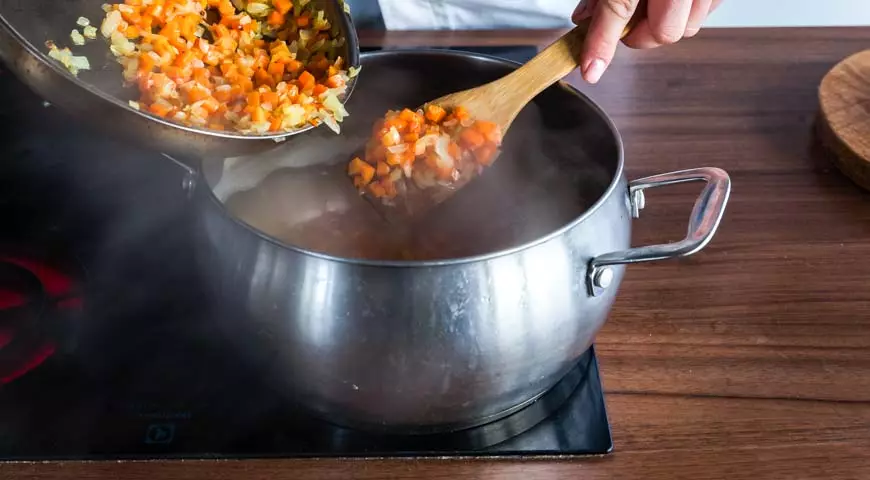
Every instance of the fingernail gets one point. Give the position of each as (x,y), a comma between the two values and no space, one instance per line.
(594,70)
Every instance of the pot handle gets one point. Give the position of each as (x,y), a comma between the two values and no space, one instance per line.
(705,219)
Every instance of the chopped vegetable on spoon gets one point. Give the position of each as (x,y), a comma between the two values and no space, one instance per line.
(433,147)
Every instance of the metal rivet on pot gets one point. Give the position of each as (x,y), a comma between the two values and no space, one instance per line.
(603,277)
(638,201)
(188,184)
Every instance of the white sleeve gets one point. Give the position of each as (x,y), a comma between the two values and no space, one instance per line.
(476,14)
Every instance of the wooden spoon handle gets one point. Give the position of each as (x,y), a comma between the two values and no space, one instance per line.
(547,67)
(557,60)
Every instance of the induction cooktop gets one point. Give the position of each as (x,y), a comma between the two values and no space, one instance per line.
(107,345)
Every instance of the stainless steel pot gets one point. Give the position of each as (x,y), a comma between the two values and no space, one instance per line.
(464,337)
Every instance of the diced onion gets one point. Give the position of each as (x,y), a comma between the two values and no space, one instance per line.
(424,142)
(445,160)
(110,24)
(72,63)
(77,38)
(258,9)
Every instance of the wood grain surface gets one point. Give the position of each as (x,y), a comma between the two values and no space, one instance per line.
(844,119)
(749,360)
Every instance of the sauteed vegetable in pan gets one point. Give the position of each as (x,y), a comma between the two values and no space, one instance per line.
(254,67)
(191,78)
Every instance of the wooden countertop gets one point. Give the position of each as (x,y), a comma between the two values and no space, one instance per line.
(750,359)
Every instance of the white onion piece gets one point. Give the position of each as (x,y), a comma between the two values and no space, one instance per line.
(110,23)
(392,137)
(423,142)
(397,149)
(444,158)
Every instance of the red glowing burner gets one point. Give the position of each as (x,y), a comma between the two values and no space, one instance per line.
(33,293)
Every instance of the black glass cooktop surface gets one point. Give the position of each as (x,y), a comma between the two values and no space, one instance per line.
(107,346)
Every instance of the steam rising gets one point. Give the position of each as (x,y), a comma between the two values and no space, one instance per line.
(557,159)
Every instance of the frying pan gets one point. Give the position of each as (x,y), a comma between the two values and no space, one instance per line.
(98,96)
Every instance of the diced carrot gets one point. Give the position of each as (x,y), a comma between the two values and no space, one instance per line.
(485,154)
(362,169)
(389,188)
(282,6)
(131,16)
(397,123)
(294,66)
(263,78)
(211,105)
(276,19)
(461,113)
(146,63)
(435,113)
(320,89)
(197,93)
(471,138)
(394,159)
(407,115)
(245,84)
(132,31)
(201,76)
(303,20)
(223,95)
(306,80)
(258,115)
(271,98)
(276,68)
(184,59)
(454,150)
(254,99)
(355,167)
(377,190)
(146,23)
(275,125)
(383,169)
(226,8)
(172,72)
(159,109)
(490,130)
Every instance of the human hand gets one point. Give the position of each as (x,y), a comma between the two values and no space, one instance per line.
(664,22)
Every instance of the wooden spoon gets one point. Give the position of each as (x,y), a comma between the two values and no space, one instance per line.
(499,101)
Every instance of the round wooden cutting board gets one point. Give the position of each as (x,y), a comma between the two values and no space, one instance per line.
(844,123)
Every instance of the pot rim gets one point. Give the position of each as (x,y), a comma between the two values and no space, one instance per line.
(614,182)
